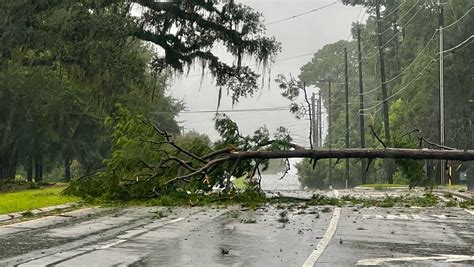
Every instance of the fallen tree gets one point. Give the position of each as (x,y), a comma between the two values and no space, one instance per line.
(149,162)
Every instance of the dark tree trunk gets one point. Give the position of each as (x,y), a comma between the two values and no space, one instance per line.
(67,169)
(29,169)
(8,163)
(39,170)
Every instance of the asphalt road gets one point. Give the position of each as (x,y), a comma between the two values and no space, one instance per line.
(235,236)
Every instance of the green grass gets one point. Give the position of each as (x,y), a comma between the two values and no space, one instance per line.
(382,186)
(32,199)
(452,187)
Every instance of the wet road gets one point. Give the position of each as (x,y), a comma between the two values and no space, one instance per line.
(284,235)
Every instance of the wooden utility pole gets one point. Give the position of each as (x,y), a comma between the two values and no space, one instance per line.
(329,140)
(320,119)
(361,110)
(441,88)
(388,139)
(346,92)
(313,119)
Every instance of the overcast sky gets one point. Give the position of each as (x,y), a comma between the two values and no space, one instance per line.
(298,36)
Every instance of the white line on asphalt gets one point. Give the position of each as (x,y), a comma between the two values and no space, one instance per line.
(323,243)
(445,258)
(60,256)
(469,211)
(123,238)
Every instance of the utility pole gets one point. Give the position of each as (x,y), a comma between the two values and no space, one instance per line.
(320,118)
(329,127)
(346,91)
(361,109)
(388,163)
(441,88)
(313,119)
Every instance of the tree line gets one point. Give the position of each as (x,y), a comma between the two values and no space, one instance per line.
(410,34)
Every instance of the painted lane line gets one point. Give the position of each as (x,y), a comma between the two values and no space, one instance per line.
(63,256)
(323,243)
(445,258)
(469,211)
(133,233)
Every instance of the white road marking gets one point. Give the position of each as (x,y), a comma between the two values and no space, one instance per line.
(59,256)
(133,233)
(469,211)
(408,217)
(445,258)
(323,243)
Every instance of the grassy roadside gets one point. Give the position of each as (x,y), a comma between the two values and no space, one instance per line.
(383,186)
(33,199)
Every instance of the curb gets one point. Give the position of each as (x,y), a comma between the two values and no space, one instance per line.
(39,211)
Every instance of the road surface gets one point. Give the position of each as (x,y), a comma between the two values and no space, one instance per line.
(273,235)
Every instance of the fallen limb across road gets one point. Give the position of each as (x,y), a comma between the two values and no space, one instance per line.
(318,154)
(394,153)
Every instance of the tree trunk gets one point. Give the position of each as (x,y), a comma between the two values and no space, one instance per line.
(67,169)
(8,163)
(29,169)
(393,153)
(39,170)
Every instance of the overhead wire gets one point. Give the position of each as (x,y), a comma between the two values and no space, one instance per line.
(398,20)
(459,19)
(417,77)
(302,14)
(406,68)
(458,45)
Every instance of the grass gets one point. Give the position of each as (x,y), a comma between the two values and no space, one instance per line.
(453,187)
(382,186)
(24,201)
(427,200)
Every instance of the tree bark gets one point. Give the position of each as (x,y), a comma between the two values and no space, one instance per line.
(29,169)
(67,169)
(394,153)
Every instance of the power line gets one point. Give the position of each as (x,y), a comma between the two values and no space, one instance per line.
(459,45)
(456,21)
(398,20)
(406,68)
(418,76)
(302,14)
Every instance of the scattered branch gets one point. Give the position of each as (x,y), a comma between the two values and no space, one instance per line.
(376,136)
(287,168)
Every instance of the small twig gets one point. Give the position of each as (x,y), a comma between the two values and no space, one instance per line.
(181,162)
(219,152)
(173,144)
(409,133)
(314,163)
(199,171)
(91,174)
(287,168)
(229,175)
(259,176)
(337,162)
(368,165)
(146,165)
(376,136)
(436,145)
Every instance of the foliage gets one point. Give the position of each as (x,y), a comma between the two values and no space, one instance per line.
(65,65)
(411,49)
(188,30)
